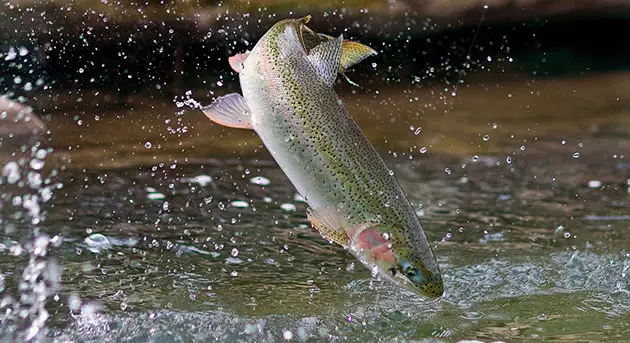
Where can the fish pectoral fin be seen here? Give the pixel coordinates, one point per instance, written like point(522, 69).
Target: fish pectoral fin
point(329, 225)
point(353, 53)
point(229, 110)
point(237, 61)
point(325, 59)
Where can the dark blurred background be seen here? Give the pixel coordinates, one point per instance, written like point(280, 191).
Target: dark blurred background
point(75, 59)
point(128, 45)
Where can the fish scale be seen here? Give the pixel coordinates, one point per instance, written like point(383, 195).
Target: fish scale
point(354, 199)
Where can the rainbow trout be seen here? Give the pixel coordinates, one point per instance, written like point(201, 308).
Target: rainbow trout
point(288, 99)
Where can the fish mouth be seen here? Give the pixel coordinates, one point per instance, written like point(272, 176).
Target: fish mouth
point(307, 38)
point(303, 29)
point(305, 19)
point(433, 287)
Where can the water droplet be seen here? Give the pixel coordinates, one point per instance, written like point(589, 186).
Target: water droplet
point(239, 204)
point(11, 171)
point(97, 242)
point(576, 155)
point(202, 180)
point(74, 302)
point(156, 196)
point(234, 252)
point(423, 150)
point(567, 235)
point(147, 145)
point(260, 180)
point(564, 141)
point(475, 158)
point(472, 315)
point(486, 138)
point(594, 184)
point(418, 130)
point(391, 172)
point(123, 306)
point(448, 171)
point(508, 160)
point(288, 207)
point(288, 335)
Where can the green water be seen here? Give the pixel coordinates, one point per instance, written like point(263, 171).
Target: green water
point(528, 257)
point(200, 237)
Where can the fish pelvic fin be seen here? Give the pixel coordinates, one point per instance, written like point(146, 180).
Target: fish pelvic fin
point(329, 225)
point(325, 59)
point(229, 110)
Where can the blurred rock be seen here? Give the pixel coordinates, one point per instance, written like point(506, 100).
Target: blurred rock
point(18, 124)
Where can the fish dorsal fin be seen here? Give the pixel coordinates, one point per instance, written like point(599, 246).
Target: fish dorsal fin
point(329, 224)
point(237, 61)
point(229, 110)
point(325, 59)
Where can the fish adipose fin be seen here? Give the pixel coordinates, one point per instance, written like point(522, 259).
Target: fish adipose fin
point(325, 58)
point(329, 225)
point(229, 110)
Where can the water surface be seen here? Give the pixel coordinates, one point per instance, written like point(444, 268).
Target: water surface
point(173, 229)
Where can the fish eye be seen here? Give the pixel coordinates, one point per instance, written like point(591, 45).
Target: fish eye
point(411, 272)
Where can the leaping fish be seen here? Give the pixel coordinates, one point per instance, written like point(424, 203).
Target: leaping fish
point(288, 99)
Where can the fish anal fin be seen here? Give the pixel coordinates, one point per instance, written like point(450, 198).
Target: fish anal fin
point(237, 61)
point(229, 110)
point(329, 225)
point(325, 59)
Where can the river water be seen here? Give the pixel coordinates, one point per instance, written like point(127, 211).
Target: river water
point(164, 227)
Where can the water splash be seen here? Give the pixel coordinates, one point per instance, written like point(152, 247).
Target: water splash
point(26, 185)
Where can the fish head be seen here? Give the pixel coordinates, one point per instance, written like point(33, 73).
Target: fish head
point(274, 52)
point(286, 37)
point(402, 256)
point(290, 31)
point(417, 272)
